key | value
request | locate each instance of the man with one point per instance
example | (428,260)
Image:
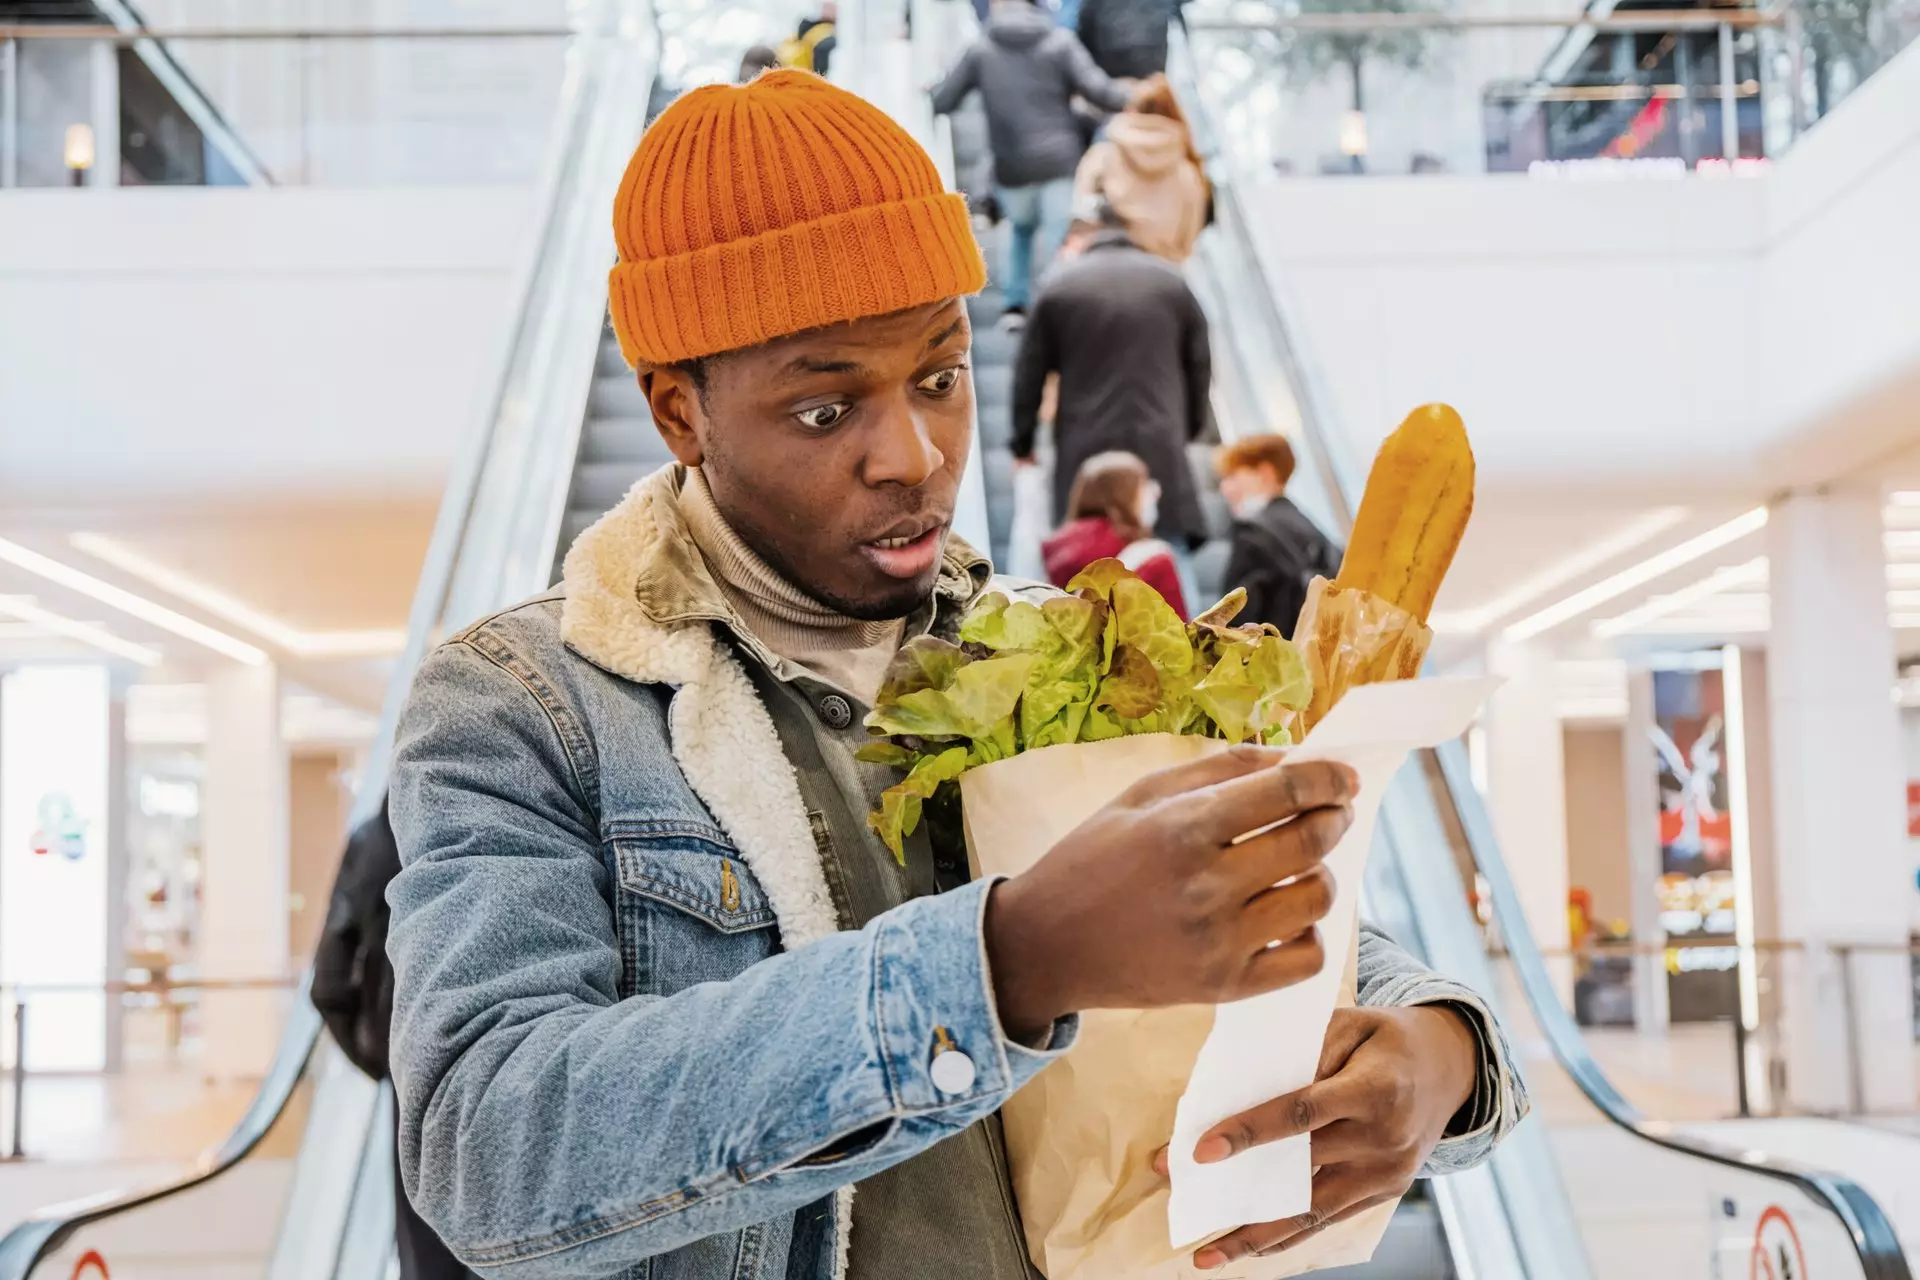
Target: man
(1028,72)
(1276,551)
(1127,38)
(1129,342)
(353,991)
(663,1001)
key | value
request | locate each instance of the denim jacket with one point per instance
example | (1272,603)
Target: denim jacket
(629,1039)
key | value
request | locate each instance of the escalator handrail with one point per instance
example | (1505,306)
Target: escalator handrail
(23,1247)
(1872,1234)
(48,1228)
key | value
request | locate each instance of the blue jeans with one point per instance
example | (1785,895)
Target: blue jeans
(1038,217)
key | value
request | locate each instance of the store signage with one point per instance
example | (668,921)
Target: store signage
(55,725)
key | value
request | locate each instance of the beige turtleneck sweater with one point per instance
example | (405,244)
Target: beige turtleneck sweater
(846,653)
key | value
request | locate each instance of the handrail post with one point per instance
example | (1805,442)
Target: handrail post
(1740,1065)
(18,1149)
(1856,1084)
(1729,104)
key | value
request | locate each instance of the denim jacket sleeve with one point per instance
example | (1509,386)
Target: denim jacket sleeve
(549,1127)
(1390,977)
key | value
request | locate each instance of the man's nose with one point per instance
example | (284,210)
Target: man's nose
(903,450)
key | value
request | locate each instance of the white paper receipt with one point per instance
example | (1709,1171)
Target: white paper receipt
(1269,1045)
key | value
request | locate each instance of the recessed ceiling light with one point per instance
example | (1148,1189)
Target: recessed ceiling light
(1648,570)
(228,608)
(27,611)
(1582,562)
(128,603)
(1752,573)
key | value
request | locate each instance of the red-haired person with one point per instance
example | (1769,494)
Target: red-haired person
(1110,513)
(1276,551)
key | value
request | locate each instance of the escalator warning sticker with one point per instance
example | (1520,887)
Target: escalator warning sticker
(1777,1254)
(91,1266)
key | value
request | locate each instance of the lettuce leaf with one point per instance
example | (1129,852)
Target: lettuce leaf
(900,804)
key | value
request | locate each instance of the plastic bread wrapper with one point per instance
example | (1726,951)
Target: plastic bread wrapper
(1349,638)
(1081,1137)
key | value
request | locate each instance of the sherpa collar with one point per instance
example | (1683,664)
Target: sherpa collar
(637,569)
(640,603)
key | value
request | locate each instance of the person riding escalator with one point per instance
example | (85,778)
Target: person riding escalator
(353,990)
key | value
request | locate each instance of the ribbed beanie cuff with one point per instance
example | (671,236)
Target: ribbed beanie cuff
(868,261)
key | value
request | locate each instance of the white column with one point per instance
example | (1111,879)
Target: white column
(1643,854)
(56,819)
(243,876)
(1527,793)
(1838,798)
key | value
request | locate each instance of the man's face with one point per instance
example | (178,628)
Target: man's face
(836,455)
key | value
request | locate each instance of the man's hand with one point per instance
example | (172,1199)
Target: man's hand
(1028,461)
(1388,1083)
(1155,900)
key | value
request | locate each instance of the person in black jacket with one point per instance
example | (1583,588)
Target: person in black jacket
(1127,38)
(353,990)
(1276,551)
(1129,341)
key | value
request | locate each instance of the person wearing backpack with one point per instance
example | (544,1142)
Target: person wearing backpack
(353,990)
(1275,551)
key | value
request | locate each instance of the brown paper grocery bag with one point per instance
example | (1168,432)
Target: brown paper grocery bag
(1081,1137)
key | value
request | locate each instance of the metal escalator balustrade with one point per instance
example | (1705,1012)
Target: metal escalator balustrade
(493,543)
(1419,896)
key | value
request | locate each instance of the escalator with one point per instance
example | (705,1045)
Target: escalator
(1514,1216)
(302,1188)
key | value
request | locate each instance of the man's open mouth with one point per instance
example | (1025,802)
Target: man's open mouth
(908,549)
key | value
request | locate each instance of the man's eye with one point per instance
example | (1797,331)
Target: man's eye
(822,416)
(943,382)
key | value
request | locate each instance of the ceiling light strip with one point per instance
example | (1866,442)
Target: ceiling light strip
(1752,573)
(1634,534)
(73,629)
(373,642)
(127,602)
(1657,566)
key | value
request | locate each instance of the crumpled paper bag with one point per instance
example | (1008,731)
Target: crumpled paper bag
(1081,1137)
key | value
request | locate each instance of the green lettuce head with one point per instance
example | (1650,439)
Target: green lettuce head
(1108,659)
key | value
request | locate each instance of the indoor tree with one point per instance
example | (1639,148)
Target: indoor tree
(1309,53)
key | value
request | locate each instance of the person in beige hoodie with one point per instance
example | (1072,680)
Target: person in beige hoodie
(1148,171)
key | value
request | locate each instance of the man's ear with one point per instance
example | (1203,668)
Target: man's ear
(677,411)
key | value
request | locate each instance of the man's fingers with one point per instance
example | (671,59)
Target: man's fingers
(1287,1116)
(1349,1029)
(1249,802)
(1345,1142)
(1337,1194)
(1284,913)
(1285,965)
(1208,771)
(1286,850)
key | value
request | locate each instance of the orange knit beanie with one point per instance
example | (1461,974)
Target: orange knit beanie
(750,212)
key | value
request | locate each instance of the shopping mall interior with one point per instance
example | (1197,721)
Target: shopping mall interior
(305,366)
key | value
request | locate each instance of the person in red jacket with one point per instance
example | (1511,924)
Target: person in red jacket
(1111,512)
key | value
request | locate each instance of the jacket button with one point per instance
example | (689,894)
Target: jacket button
(952,1071)
(836,711)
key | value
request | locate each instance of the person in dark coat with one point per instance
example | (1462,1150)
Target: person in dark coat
(353,990)
(1127,38)
(1028,73)
(1276,551)
(1129,341)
